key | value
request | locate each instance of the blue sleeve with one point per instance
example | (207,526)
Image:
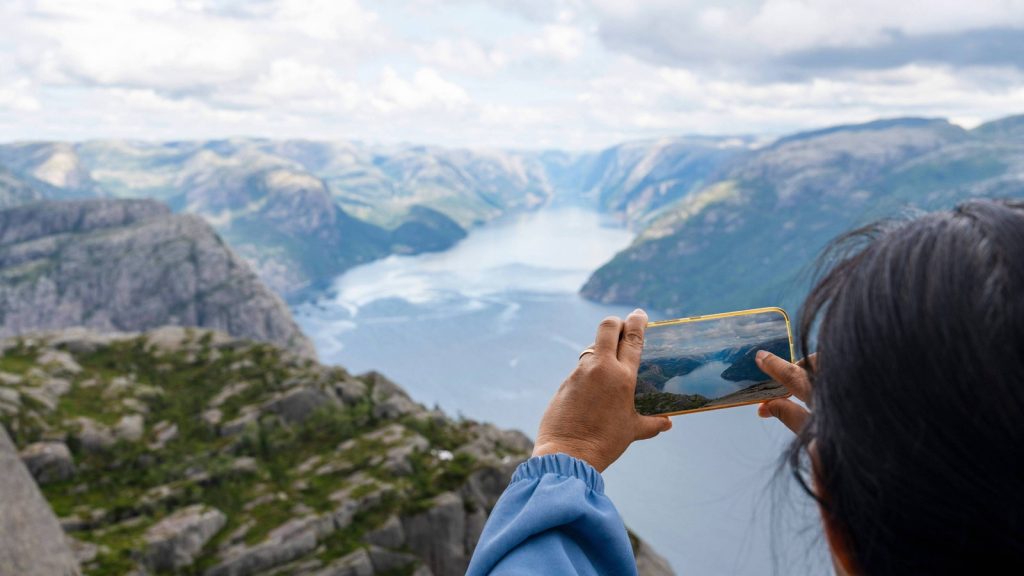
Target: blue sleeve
(554,519)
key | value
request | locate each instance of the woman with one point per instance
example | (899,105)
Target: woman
(914,441)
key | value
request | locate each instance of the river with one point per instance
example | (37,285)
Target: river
(489,329)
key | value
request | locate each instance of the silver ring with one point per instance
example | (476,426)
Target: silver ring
(587,350)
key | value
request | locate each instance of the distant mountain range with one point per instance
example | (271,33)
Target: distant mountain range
(300,212)
(723,222)
(745,234)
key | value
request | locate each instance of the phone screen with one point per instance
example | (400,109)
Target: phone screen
(707,362)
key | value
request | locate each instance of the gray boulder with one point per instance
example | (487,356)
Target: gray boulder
(31,540)
(388,535)
(297,404)
(357,563)
(130,428)
(438,535)
(175,541)
(48,461)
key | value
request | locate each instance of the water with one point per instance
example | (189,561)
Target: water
(706,380)
(490,328)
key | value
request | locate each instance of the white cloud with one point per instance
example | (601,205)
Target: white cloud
(426,90)
(462,55)
(551,73)
(558,41)
(18,96)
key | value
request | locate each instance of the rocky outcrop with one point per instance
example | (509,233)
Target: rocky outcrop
(48,461)
(31,540)
(175,541)
(126,265)
(301,471)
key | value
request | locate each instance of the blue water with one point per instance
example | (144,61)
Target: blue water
(490,328)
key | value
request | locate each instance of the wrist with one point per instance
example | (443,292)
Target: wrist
(575,449)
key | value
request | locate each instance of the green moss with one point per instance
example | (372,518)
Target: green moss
(19,359)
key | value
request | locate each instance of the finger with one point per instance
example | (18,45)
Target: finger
(788,412)
(632,343)
(793,377)
(651,426)
(809,363)
(607,341)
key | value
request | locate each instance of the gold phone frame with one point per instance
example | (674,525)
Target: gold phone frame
(702,317)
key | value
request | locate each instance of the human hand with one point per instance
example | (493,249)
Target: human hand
(592,416)
(794,378)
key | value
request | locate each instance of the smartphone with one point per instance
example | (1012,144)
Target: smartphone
(707,362)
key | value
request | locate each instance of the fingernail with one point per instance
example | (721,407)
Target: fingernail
(762,354)
(639,311)
(762,410)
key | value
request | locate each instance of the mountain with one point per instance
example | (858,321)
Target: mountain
(301,212)
(129,265)
(186,451)
(637,179)
(745,237)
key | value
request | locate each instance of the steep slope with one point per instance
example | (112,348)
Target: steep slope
(33,542)
(746,239)
(637,179)
(129,265)
(56,164)
(15,190)
(184,451)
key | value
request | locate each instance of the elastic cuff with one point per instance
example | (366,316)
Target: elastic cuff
(561,465)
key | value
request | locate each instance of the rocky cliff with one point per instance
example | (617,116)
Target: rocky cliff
(129,265)
(185,451)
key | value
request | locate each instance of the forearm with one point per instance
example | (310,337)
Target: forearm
(554,518)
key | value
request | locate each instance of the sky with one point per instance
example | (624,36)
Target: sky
(570,74)
(705,337)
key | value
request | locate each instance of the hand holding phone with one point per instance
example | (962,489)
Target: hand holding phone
(708,362)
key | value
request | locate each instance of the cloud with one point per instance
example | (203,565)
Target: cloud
(558,41)
(498,73)
(745,37)
(989,47)
(462,55)
(426,89)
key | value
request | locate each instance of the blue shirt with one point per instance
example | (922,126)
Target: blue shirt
(554,519)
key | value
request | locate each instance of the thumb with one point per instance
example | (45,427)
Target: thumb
(651,426)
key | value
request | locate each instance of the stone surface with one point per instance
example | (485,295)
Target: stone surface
(130,428)
(438,536)
(388,535)
(90,263)
(48,461)
(174,542)
(357,563)
(296,405)
(91,435)
(31,540)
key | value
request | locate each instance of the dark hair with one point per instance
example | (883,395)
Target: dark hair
(918,405)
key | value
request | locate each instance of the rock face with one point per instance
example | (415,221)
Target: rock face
(31,540)
(174,542)
(301,473)
(124,265)
(48,461)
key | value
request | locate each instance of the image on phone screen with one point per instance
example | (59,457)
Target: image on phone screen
(707,362)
